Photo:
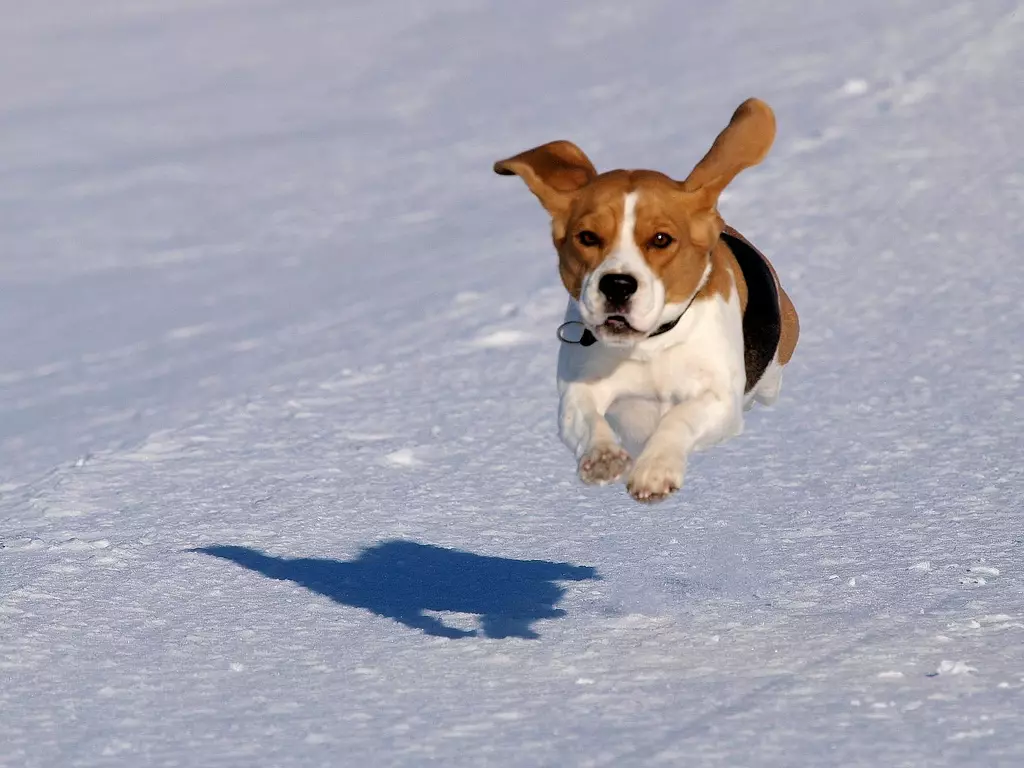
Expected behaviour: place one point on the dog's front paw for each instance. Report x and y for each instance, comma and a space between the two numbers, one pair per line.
655, 478
603, 464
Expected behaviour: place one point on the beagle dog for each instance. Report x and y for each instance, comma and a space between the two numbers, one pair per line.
681, 322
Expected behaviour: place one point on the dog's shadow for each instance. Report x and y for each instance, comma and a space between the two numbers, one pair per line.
402, 580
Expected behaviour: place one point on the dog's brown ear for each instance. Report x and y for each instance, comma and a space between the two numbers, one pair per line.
742, 143
553, 172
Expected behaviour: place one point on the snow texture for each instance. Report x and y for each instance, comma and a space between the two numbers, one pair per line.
279, 481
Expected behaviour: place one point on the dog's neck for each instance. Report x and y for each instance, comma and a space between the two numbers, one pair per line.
588, 339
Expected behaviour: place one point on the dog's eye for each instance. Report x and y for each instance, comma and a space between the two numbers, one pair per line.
662, 240
588, 239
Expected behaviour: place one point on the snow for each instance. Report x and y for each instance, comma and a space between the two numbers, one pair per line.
279, 481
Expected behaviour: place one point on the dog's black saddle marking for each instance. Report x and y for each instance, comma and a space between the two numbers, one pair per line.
762, 318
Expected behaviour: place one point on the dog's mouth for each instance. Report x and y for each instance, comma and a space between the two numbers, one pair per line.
617, 325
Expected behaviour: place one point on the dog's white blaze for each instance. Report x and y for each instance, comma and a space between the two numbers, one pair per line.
647, 305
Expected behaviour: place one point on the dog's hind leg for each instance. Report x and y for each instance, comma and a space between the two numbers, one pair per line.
766, 392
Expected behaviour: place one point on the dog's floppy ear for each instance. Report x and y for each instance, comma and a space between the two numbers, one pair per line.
553, 172
742, 143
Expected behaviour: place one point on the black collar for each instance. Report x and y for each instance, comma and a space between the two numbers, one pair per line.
588, 339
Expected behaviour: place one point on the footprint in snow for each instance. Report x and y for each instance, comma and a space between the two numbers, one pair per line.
79, 545
404, 457
499, 339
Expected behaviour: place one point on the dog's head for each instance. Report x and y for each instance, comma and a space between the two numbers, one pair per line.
634, 246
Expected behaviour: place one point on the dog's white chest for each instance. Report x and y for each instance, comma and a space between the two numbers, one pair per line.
635, 387
704, 350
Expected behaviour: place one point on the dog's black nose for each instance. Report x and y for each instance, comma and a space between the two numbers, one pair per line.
618, 288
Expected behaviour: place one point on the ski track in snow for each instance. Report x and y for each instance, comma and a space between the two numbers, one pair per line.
280, 483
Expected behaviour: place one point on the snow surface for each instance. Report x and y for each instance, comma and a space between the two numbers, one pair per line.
279, 481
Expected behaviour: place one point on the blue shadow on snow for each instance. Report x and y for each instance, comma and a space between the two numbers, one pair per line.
402, 579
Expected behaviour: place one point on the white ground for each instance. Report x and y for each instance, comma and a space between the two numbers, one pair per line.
259, 290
